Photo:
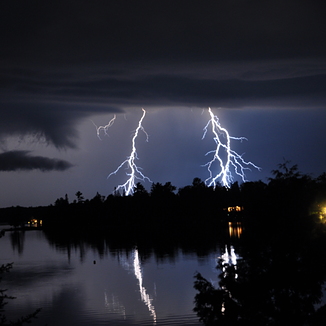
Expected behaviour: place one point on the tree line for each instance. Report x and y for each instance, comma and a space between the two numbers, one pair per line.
289, 197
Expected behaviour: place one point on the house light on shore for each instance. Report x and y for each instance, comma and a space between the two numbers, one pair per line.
235, 209
322, 213
35, 223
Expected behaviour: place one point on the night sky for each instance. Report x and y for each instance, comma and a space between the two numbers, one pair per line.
67, 65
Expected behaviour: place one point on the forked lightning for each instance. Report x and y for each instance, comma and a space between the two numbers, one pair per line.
230, 157
135, 173
104, 128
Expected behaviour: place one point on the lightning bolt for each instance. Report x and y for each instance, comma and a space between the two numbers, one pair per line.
230, 158
104, 128
135, 173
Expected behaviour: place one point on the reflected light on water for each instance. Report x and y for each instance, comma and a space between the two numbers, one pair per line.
235, 229
134, 266
114, 305
143, 293
119, 289
228, 259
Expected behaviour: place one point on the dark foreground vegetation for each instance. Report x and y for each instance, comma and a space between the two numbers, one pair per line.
280, 277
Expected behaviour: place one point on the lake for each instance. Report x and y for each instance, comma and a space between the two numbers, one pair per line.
82, 284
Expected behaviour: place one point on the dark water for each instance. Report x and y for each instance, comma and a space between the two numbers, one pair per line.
81, 285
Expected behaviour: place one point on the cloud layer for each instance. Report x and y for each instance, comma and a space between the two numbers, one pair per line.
66, 32
65, 60
22, 160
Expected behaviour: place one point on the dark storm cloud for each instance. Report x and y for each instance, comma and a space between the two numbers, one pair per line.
21, 160
44, 121
65, 60
83, 31
248, 87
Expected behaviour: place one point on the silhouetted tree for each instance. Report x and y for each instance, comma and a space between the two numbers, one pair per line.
140, 191
80, 197
197, 183
62, 201
276, 282
159, 190
290, 194
321, 189
286, 172
97, 200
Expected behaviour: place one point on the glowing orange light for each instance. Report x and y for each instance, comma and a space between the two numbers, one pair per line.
235, 229
235, 209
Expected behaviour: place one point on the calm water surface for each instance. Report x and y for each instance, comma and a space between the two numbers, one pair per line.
81, 287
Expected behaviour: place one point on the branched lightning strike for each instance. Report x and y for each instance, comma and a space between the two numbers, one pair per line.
232, 158
135, 173
104, 128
